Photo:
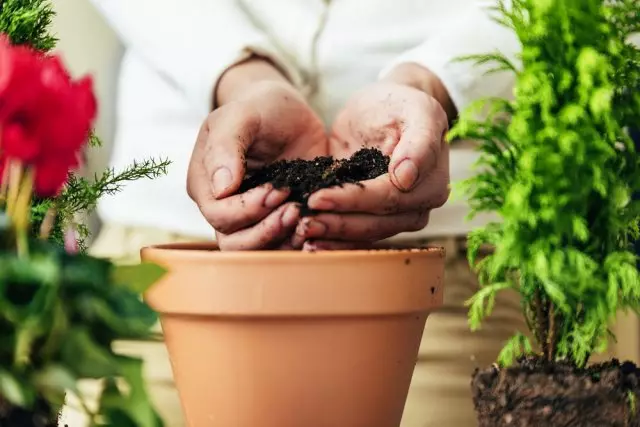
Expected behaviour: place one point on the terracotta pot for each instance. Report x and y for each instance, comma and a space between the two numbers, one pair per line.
292, 339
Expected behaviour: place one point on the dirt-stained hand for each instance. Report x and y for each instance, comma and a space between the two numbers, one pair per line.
405, 123
266, 122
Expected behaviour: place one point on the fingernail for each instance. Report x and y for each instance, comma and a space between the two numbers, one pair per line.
321, 204
406, 174
316, 229
289, 216
275, 198
221, 181
309, 227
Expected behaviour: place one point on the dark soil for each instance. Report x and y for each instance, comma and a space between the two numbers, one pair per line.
535, 393
11, 416
304, 177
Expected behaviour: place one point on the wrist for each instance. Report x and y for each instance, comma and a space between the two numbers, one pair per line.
418, 77
239, 79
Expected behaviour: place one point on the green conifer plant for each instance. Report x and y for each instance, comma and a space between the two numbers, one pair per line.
559, 169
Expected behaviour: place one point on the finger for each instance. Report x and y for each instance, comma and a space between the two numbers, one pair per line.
419, 149
357, 227
274, 228
377, 196
332, 245
286, 245
240, 211
231, 133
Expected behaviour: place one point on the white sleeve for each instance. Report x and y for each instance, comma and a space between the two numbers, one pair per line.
190, 42
473, 32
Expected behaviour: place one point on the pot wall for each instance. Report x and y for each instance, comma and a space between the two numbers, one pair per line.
290, 339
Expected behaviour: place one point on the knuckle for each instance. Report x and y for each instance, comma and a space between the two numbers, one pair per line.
391, 201
441, 118
268, 232
441, 197
339, 227
420, 221
214, 117
219, 222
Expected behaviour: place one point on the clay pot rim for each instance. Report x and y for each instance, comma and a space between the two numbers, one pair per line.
208, 250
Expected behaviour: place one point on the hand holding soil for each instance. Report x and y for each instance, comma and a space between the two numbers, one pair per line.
409, 126
252, 197
257, 124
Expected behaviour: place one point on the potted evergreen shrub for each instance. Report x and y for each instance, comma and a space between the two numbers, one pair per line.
60, 310
559, 168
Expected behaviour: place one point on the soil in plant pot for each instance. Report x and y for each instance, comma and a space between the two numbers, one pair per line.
536, 393
304, 177
39, 416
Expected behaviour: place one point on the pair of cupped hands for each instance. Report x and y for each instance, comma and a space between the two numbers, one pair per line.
262, 118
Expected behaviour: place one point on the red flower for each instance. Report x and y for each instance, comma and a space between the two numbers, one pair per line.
45, 116
52, 173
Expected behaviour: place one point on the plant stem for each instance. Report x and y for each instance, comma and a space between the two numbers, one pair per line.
21, 213
4, 184
13, 188
47, 223
541, 324
551, 335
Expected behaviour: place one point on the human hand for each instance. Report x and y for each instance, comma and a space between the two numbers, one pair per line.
257, 123
401, 117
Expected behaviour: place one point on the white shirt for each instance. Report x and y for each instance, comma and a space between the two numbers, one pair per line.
177, 50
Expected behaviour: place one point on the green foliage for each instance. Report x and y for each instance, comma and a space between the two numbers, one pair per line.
59, 316
81, 195
27, 22
518, 345
559, 168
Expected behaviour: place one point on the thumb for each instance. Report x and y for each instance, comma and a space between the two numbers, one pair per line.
416, 154
228, 141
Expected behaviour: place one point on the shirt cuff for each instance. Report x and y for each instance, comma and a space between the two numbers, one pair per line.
241, 54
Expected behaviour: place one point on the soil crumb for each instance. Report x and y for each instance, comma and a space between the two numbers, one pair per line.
304, 177
537, 393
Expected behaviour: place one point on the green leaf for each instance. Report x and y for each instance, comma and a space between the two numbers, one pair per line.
35, 270
27, 333
482, 302
123, 313
138, 278
518, 345
54, 381
499, 61
15, 390
86, 358
83, 271
134, 405
58, 327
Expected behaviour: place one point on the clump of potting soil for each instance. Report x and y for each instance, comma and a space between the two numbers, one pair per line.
535, 392
304, 177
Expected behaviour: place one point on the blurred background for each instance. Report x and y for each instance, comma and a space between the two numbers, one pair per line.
88, 45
